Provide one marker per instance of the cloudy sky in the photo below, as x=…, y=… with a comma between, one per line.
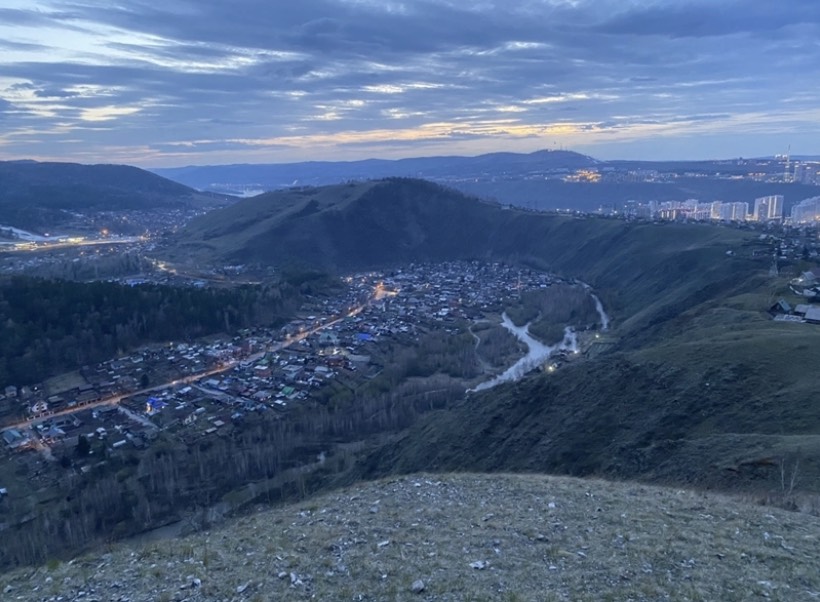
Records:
x=178, y=82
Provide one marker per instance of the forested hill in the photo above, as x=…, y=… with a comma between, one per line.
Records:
x=646, y=272
x=50, y=326
x=34, y=194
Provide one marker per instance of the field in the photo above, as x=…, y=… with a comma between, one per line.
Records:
x=64, y=382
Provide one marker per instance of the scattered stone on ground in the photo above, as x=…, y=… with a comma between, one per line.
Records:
x=455, y=537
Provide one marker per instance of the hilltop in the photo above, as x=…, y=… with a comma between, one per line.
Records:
x=463, y=537
x=345, y=226
x=36, y=195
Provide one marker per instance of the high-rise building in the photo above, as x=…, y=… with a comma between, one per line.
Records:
x=732, y=212
x=799, y=173
x=806, y=173
x=761, y=209
x=806, y=211
x=725, y=212
x=740, y=211
x=776, y=207
x=631, y=208
x=769, y=208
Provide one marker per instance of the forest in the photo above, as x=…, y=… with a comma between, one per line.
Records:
x=52, y=326
x=268, y=458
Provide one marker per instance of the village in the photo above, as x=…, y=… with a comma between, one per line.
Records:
x=208, y=388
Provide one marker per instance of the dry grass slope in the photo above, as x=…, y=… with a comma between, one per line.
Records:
x=466, y=537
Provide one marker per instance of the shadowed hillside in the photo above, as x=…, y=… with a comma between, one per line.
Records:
x=36, y=194
x=347, y=226
x=644, y=271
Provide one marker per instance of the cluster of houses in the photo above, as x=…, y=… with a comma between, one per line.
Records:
x=211, y=386
x=122, y=376
x=807, y=284
x=783, y=311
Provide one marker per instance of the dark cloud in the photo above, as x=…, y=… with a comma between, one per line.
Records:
x=706, y=18
x=180, y=71
x=35, y=18
x=54, y=93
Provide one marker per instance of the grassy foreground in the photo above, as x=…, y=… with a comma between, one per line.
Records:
x=465, y=537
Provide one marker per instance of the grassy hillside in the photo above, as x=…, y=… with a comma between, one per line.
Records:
x=36, y=194
x=714, y=394
x=464, y=537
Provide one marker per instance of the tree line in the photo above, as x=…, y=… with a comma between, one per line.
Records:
x=52, y=326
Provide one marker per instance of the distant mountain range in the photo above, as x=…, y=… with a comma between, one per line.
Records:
x=534, y=180
x=236, y=178
x=36, y=195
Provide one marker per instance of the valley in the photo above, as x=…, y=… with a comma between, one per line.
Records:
x=354, y=332
x=400, y=337
x=418, y=301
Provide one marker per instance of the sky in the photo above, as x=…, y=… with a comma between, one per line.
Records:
x=195, y=82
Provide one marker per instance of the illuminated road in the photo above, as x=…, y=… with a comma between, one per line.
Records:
x=116, y=399
x=34, y=247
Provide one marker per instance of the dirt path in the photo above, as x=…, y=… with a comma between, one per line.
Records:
x=486, y=368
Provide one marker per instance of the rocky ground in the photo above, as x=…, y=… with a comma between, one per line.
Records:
x=463, y=537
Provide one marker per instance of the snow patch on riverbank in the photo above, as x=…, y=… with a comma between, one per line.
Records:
x=536, y=356
x=601, y=313
x=23, y=235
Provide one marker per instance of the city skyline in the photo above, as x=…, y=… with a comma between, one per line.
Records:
x=216, y=82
